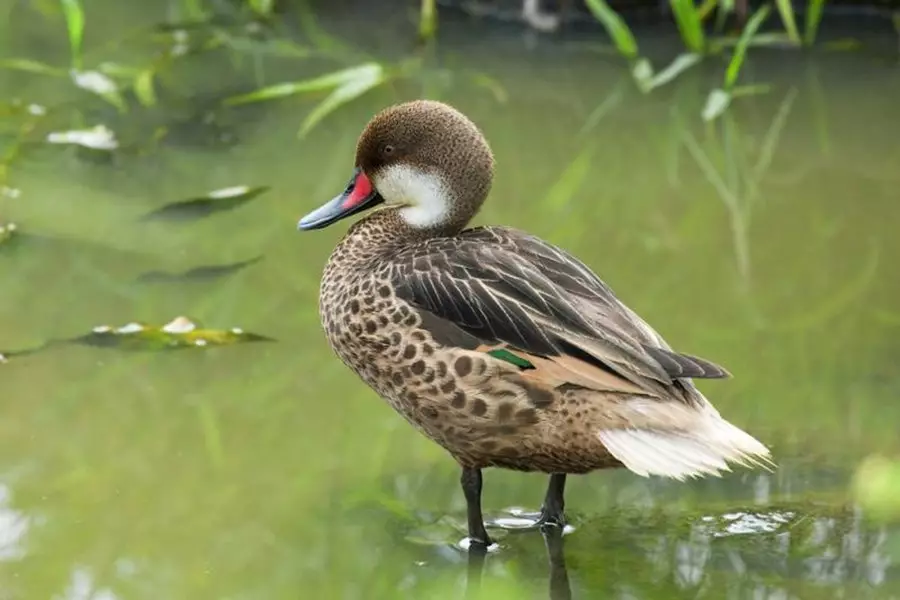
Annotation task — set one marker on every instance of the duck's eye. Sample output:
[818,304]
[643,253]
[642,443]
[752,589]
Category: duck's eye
[387,150]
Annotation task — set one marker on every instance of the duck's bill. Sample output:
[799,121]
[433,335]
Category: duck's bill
[359,195]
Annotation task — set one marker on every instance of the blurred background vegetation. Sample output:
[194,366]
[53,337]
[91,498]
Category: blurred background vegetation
[730,167]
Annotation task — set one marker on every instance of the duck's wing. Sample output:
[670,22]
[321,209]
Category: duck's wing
[496,288]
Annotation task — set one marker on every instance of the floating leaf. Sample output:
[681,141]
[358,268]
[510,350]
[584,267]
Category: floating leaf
[215,201]
[181,332]
[740,50]
[100,84]
[75,25]
[98,138]
[316,84]
[615,27]
[716,103]
[366,79]
[204,273]
[31,66]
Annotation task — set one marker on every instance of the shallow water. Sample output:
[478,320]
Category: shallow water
[766,242]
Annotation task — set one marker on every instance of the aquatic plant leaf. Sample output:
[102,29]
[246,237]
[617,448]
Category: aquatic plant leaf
[365,78]
[215,201]
[197,274]
[428,22]
[687,18]
[494,87]
[642,72]
[7,232]
[179,333]
[876,486]
[31,66]
[813,18]
[100,84]
[75,26]
[786,10]
[262,7]
[99,137]
[316,84]
[615,27]
[740,50]
[716,103]
[682,63]
[143,88]
[571,180]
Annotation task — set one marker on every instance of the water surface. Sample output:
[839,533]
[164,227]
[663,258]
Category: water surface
[766,242]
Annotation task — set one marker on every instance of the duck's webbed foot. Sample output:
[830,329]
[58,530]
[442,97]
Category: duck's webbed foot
[553,509]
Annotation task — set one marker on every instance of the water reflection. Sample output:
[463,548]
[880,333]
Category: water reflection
[773,552]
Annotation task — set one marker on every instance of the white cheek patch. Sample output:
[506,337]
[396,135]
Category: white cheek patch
[425,195]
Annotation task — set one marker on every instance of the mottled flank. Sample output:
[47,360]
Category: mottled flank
[502,348]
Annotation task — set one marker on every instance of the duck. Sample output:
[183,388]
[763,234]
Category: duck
[503,348]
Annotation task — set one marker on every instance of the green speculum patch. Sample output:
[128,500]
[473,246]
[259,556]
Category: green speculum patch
[511,358]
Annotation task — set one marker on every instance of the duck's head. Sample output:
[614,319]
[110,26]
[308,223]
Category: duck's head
[425,159]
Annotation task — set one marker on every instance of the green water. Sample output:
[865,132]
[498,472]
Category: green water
[766,242]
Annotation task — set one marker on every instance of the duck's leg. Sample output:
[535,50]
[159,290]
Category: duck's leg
[471,485]
[553,510]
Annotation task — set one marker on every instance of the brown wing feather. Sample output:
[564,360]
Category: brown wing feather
[505,288]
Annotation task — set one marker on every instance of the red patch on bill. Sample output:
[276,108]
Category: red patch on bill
[362,189]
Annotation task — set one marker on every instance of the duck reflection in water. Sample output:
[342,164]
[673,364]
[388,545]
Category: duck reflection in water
[559,588]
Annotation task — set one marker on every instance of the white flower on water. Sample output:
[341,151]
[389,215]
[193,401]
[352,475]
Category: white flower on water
[94,81]
[229,192]
[179,325]
[200,342]
[98,138]
[10,192]
[102,329]
[37,110]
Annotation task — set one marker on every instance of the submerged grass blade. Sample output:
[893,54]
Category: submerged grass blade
[75,26]
[687,17]
[364,80]
[740,50]
[197,208]
[786,10]
[813,18]
[316,84]
[31,66]
[198,274]
[682,63]
[571,180]
[615,27]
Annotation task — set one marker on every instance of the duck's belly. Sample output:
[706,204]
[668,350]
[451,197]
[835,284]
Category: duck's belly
[478,408]
[482,420]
